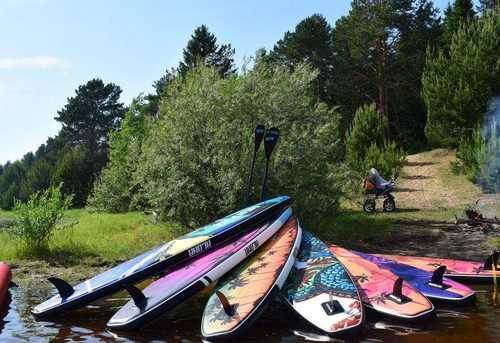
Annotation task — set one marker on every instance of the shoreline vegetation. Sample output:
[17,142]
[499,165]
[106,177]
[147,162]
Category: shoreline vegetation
[100,240]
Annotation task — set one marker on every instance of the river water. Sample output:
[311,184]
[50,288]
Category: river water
[476,323]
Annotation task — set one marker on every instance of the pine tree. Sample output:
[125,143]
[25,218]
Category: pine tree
[203,47]
[379,54]
[461,12]
[457,84]
[310,42]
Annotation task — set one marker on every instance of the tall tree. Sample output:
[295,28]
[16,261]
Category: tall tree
[378,57]
[461,12]
[90,115]
[458,83]
[488,5]
[310,42]
[203,47]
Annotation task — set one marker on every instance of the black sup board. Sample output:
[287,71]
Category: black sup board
[158,259]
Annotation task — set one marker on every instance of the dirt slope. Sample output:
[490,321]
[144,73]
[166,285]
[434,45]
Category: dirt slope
[427,182]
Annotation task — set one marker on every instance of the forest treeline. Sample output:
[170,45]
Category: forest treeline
[389,77]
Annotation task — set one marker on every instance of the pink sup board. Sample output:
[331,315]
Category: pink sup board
[382,291]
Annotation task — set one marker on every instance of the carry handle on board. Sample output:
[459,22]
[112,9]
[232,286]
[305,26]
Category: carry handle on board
[270,140]
[259,135]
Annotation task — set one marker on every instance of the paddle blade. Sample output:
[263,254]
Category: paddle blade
[259,135]
[270,140]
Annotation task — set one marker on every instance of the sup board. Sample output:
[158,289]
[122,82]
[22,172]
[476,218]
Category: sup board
[158,259]
[244,293]
[460,270]
[5,278]
[383,291]
[320,290]
[432,285]
[186,280]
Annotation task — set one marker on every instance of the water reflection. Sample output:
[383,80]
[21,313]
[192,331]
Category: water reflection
[479,323]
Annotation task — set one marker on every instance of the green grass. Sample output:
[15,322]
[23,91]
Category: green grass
[97,239]
[356,229]
[101,239]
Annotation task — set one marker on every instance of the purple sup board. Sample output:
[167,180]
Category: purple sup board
[185,280]
[432,285]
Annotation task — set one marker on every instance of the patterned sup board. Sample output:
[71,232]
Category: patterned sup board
[381,290]
[432,285]
[158,259]
[243,294]
[185,280]
[5,277]
[460,270]
[321,291]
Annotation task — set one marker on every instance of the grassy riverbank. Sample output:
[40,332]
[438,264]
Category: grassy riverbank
[97,239]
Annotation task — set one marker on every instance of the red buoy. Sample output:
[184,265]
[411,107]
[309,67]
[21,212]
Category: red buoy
[5,277]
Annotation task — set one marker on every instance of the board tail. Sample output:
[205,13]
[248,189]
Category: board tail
[397,292]
[64,289]
[138,297]
[437,278]
[228,308]
[492,261]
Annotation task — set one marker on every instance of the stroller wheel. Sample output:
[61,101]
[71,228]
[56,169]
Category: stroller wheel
[369,206]
[389,205]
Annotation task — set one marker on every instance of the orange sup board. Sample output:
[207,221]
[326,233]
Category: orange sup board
[243,294]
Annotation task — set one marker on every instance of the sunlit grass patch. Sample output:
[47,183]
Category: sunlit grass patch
[97,238]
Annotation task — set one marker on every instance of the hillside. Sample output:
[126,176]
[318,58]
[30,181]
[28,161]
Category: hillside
[427,182]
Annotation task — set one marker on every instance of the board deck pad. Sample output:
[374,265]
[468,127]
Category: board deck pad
[321,291]
[376,288]
[460,270]
[158,259]
[251,285]
[183,281]
[452,292]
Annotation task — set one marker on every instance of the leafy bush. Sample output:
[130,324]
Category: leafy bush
[35,220]
[457,84]
[470,154]
[479,157]
[114,188]
[366,129]
[388,160]
[366,147]
[196,156]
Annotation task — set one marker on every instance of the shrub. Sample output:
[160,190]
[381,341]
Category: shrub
[114,189]
[366,147]
[195,158]
[35,220]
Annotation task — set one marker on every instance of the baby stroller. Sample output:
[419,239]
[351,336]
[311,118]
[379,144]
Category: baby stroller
[377,187]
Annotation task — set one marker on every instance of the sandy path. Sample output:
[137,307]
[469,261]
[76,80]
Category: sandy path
[427,182]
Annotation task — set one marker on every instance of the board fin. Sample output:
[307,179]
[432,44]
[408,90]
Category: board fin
[228,308]
[65,289]
[491,261]
[397,293]
[138,297]
[437,278]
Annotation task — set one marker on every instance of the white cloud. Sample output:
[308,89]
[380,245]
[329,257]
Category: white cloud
[36,62]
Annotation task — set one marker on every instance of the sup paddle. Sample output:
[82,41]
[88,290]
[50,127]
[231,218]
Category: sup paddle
[259,135]
[270,140]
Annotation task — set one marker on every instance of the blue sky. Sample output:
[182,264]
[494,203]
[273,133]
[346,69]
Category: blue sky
[49,47]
